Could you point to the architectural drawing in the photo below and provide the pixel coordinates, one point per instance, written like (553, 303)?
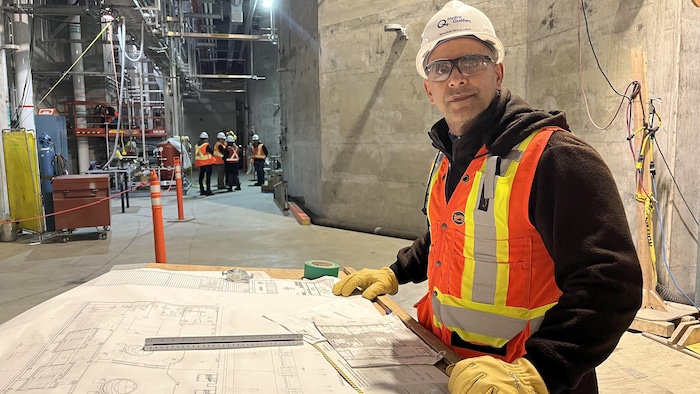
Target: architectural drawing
(100, 350)
(67, 345)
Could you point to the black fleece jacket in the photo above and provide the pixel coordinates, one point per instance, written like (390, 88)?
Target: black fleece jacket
(576, 208)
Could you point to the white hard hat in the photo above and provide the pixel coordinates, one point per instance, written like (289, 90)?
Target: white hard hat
(456, 19)
(203, 134)
(230, 138)
(255, 137)
(221, 135)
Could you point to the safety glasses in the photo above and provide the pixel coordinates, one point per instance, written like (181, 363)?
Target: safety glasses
(468, 65)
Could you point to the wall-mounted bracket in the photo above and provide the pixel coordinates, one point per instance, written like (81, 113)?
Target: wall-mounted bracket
(399, 29)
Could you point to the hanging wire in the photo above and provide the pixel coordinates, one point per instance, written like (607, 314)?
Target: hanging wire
(588, 33)
(663, 158)
(663, 249)
(634, 84)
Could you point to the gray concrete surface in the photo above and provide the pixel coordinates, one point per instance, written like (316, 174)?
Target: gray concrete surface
(243, 228)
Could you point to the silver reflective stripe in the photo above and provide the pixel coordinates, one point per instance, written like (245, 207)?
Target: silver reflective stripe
(490, 177)
(515, 155)
(535, 324)
(481, 323)
(484, 284)
(484, 288)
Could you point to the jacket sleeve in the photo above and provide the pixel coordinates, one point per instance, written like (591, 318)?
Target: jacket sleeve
(210, 149)
(576, 207)
(265, 150)
(412, 261)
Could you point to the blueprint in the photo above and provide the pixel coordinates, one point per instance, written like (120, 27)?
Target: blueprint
(375, 341)
(90, 339)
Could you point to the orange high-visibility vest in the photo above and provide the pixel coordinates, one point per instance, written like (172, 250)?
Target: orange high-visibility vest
(218, 156)
(232, 154)
(490, 277)
(202, 157)
(258, 152)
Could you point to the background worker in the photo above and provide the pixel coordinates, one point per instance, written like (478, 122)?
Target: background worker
(259, 156)
(532, 272)
(219, 149)
(231, 160)
(204, 160)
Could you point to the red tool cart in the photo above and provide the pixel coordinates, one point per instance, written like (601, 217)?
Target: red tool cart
(84, 198)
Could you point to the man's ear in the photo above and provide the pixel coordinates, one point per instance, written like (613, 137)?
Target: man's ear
(428, 92)
(500, 72)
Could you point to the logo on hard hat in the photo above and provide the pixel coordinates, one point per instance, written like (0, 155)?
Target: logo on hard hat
(453, 19)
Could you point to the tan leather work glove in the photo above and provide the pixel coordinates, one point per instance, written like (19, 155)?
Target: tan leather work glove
(488, 375)
(373, 283)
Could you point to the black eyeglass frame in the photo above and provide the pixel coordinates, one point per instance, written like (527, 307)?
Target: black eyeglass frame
(482, 59)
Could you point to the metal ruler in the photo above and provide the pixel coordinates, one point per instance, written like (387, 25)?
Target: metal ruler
(223, 342)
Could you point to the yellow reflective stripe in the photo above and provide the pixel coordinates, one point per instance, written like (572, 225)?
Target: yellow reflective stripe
(502, 280)
(468, 250)
(434, 174)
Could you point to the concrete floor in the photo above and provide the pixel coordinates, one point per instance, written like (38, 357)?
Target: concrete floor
(246, 228)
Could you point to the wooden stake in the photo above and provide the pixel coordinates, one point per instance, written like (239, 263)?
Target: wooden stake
(650, 298)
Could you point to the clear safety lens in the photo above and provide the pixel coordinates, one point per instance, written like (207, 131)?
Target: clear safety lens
(468, 65)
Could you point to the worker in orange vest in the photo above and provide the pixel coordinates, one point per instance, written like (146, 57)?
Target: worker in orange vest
(204, 160)
(231, 160)
(219, 149)
(532, 274)
(259, 156)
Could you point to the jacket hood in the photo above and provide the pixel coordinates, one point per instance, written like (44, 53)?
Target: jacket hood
(505, 123)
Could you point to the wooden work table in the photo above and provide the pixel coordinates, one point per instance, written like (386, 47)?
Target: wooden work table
(383, 303)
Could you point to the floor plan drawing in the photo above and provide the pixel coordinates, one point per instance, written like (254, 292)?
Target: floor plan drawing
(67, 345)
(100, 350)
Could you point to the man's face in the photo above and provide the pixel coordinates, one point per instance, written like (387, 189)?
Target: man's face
(461, 99)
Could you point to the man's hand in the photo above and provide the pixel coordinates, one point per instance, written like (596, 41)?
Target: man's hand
(488, 375)
(373, 283)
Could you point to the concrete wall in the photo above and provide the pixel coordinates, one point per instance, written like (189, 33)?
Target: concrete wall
(671, 44)
(264, 97)
(301, 138)
(370, 121)
(362, 162)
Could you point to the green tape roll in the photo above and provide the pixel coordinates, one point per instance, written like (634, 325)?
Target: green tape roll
(317, 268)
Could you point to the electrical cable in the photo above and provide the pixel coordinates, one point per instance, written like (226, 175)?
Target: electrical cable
(121, 36)
(663, 249)
(588, 33)
(663, 158)
(634, 84)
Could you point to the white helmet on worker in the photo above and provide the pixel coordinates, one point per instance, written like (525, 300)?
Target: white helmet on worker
(203, 134)
(255, 137)
(221, 135)
(456, 19)
(230, 138)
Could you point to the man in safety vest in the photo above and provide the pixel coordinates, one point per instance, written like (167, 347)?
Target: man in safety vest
(231, 160)
(259, 156)
(532, 273)
(219, 149)
(204, 159)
